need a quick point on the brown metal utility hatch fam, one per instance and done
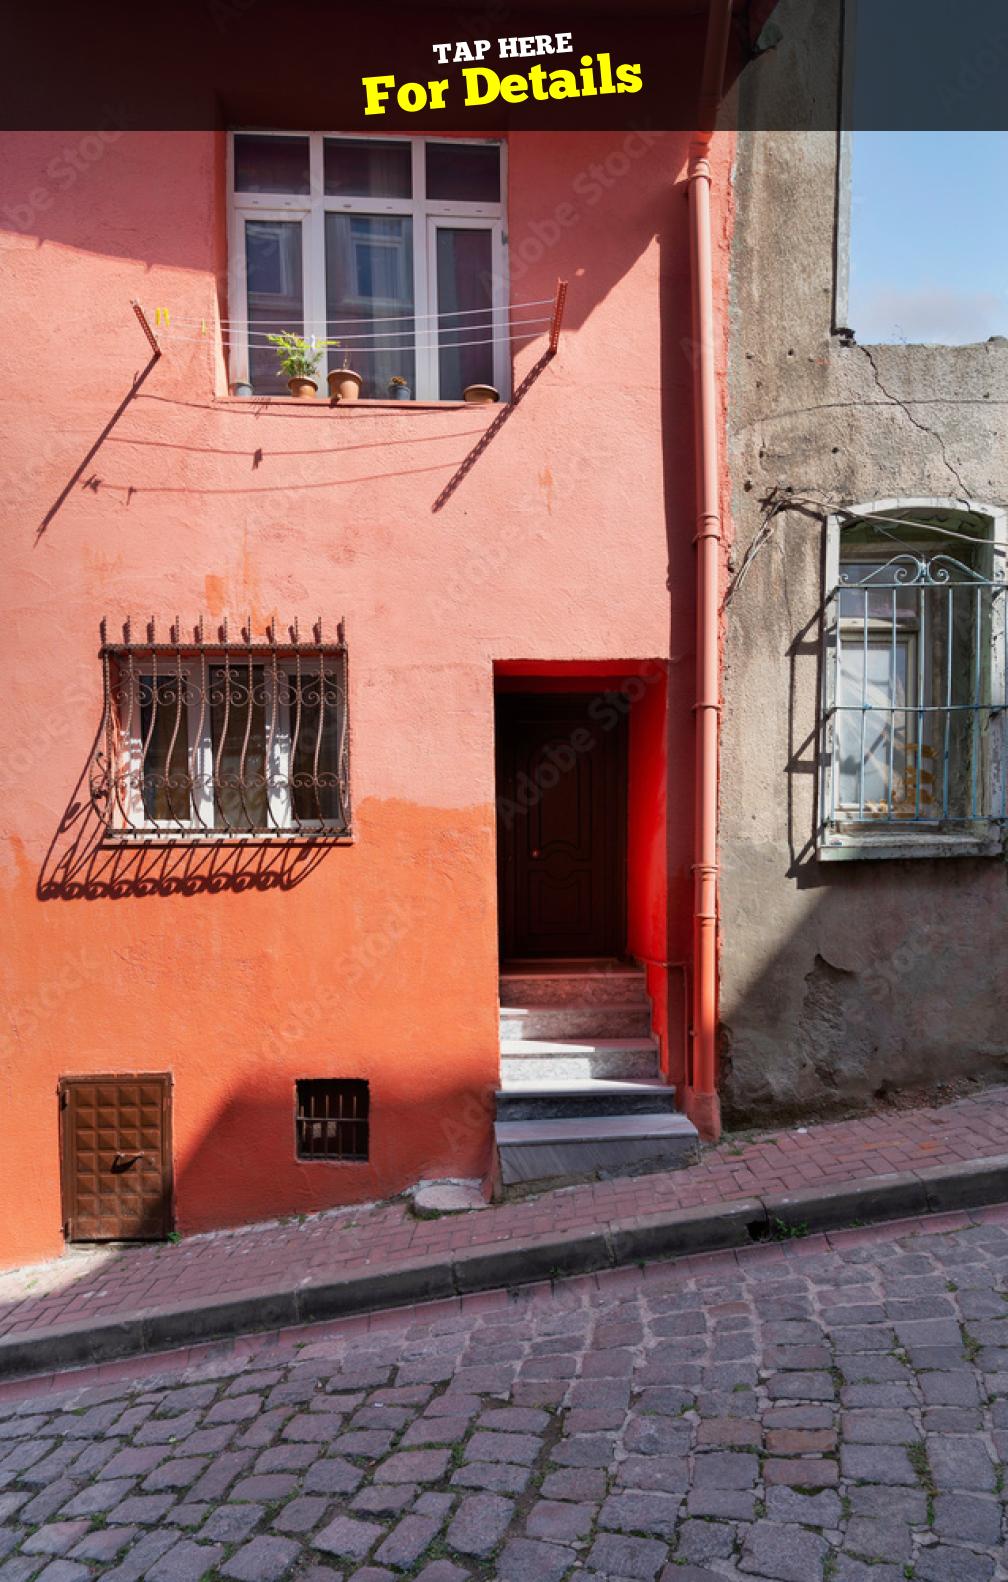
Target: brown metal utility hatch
(115, 1145)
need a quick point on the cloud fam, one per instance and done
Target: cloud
(927, 314)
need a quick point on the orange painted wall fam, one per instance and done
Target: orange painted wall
(560, 543)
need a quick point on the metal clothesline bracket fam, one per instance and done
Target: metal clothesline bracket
(145, 326)
(559, 304)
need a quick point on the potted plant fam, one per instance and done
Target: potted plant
(344, 384)
(480, 395)
(299, 360)
(398, 389)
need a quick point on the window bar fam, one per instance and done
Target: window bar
(342, 744)
(864, 708)
(106, 733)
(145, 742)
(975, 728)
(272, 732)
(947, 744)
(834, 684)
(321, 721)
(921, 645)
(198, 749)
(1004, 697)
(175, 633)
(126, 809)
(219, 755)
(243, 756)
(892, 714)
(296, 733)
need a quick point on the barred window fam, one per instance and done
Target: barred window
(332, 1118)
(209, 737)
(915, 726)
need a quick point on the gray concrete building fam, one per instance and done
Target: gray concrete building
(864, 900)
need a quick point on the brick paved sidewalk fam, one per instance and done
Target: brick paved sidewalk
(101, 1284)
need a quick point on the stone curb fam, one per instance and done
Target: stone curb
(710, 1228)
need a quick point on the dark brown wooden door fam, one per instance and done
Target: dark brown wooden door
(116, 1147)
(561, 824)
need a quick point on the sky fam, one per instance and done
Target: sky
(929, 236)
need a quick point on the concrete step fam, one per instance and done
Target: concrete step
(560, 1059)
(554, 985)
(537, 1101)
(576, 1021)
(545, 1153)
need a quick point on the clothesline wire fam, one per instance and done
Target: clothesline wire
(433, 346)
(261, 338)
(377, 318)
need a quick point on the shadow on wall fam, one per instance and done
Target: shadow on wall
(589, 220)
(878, 987)
(78, 472)
(242, 1171)
(84, 864)
(243, 1167)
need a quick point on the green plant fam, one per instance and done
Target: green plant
(780, 1230)
(174, 1236)
(298, 358)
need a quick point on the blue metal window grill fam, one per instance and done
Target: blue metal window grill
(916, 681)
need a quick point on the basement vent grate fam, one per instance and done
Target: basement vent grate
(332, 1118)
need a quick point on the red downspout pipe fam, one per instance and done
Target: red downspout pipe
(702, 1102)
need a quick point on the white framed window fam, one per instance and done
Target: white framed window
(215, 740)
(395, 247)
(914, 740)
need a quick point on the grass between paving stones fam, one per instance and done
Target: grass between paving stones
(918, 1458)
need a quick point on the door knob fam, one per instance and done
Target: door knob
(536, 853)
(124, 1161)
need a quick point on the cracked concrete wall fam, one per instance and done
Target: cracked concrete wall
(838, 981)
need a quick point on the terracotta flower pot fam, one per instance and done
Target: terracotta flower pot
(303, 389)
(344, 384)
(480, 395)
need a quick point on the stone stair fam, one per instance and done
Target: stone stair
(581, 1093)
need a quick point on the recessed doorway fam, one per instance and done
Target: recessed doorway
(561, 824)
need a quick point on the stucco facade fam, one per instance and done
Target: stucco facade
(549, 539)
(838, 980)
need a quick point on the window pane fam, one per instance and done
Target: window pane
(164, 717)
(315, 783)
(358, 169)
(369, 276)
(466, 172)
(879, 679)
(239, 763)
(275, 295)
(465, 296)
(271, 164)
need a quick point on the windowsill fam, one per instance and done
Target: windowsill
(878, 845)
(326, 403)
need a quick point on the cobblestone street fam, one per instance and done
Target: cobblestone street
(812, 1409)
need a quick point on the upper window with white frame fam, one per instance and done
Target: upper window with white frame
(915, 680)
(394, 247)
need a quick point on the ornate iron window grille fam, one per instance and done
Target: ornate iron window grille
(207, 737)
(916, 725)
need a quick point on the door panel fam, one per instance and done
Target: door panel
(561, 778)
(116, 1157)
